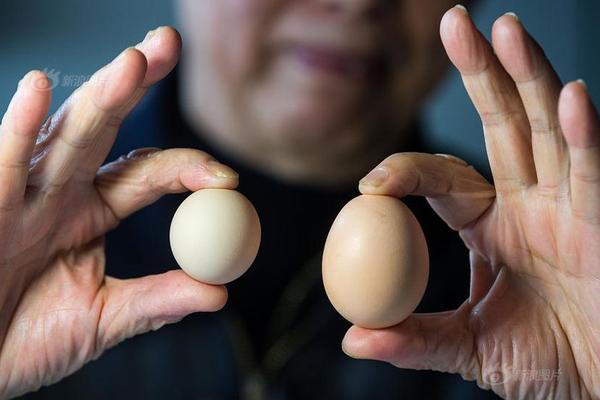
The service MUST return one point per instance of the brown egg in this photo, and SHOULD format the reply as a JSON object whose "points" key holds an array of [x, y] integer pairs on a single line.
{"points": [[375, 262]]}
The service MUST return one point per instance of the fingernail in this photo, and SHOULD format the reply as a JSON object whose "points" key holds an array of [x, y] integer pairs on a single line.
{"points": [[25, 78], [452, 158], [582, 83], [101, 76], [346, 352], [143, 153], [118, 59], [147, 39], [221, 171], [149, 35], [462, 8], [21, 82], [513, 15], [42, 83], [376, 177]]}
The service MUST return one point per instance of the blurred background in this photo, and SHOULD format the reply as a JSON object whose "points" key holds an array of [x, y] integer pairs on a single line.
{"points": [[70, 39]]}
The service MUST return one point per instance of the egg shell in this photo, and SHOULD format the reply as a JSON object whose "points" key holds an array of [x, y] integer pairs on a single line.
{"points": [[215, 235], [375, 262]]}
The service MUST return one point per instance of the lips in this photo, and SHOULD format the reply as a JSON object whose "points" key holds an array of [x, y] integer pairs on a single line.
{"points": [[336, 62]]}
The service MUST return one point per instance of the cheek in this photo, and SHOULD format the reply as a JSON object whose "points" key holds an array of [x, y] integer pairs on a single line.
{"points": [[426, 15], [235, 35], [425, 58]]}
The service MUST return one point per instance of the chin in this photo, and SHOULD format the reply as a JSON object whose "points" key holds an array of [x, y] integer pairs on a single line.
{"points": [[308, 122], [311, 134], [314, 142]]}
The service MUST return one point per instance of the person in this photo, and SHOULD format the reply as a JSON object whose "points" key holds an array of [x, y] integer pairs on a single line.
{"points": [[302, 99]]}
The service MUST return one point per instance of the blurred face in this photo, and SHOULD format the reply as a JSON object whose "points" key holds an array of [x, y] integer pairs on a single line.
{"points": [[308, 88]]}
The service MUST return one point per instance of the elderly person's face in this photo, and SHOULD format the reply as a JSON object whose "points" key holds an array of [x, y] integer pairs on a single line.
{"points": [[303, 85]]}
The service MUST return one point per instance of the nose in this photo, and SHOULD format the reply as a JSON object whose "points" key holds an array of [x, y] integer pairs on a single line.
{"points": [[356, 8]]}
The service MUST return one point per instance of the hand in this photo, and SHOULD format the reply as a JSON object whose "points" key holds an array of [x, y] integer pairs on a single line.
{"points": [[57, 308], [531, 326]]}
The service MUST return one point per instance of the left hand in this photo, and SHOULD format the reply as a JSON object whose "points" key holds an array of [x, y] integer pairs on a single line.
{"points": [[531, 326], [58, 308]]}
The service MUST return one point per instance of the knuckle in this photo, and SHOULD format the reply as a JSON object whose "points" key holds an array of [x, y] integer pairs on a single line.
{"points": [[587, 178], [591, 218], [81, 142], [542, 125], [9, 203], [510, 184], [114, 121], [498, 118], [52, 188], [14, 164], [186, 155], [555, 191], [401, 161], [142, 153]]}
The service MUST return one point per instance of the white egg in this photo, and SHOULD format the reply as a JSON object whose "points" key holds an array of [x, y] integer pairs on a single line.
{"points": [[215, 235]]}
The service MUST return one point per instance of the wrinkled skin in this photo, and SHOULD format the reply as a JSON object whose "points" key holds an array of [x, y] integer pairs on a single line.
{"points": [[533, 236], [57, 308], [531, 326]]}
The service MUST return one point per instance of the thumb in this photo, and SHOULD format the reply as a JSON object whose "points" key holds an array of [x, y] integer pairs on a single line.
{"points": [[136, 306], [440, 342], [455, 190]]}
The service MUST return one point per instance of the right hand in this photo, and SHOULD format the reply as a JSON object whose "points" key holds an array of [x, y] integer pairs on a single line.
{"points": [[58, 310], [531, 325]]}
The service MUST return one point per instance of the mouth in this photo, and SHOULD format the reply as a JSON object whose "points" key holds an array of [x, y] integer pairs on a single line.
{"points": [[337, 62]]}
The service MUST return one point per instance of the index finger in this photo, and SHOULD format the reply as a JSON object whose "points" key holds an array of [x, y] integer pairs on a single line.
{"points": [[495, 96], [162, 48]]}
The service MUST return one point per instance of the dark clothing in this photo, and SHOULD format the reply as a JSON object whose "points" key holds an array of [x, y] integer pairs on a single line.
{"points": [[278, 337]]}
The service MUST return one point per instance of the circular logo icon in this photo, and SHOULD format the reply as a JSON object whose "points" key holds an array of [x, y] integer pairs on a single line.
{"points": [[50, 83], [495, 377]]}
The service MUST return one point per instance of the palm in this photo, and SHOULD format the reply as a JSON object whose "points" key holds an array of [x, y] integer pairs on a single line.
{"points": [[543, 288], [58, 310], [530, 327], [55, 326]]}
